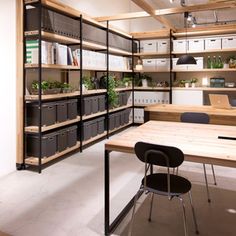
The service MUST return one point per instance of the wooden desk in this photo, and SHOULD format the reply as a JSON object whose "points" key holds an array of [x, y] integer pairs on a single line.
{"points": [[169, 112], [199, 143]]}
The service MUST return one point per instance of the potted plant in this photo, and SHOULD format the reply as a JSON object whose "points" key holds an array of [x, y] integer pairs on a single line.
{"points": [[127, 81], [146, 79], [193, 82], [112, 94], [87, 83], [182, 83], [66, 88], [48, 87], [231, 60]]}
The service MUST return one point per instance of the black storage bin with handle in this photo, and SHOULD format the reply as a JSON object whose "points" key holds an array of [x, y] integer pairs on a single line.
{"points": [[94, 128], [101, 125], [87, 106], [71, 136], [122, 118], [94, 104], [62, 111], [49, 145], [87, 130], [112, 122], [101, 103], [62, 140], [127, 113], [120, 99], [117, 120], [48, 114], [124, 98], [72, 109]]}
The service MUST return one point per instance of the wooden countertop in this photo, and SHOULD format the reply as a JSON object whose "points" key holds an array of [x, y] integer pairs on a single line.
{"points": [[170, 108], [199, 142]]}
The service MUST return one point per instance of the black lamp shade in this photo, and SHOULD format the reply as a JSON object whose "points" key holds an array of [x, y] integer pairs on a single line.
{"points": [[186, 60]]}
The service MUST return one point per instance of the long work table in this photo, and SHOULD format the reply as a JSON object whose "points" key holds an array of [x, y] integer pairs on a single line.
{"points": [[170, 112], [199, 143]]}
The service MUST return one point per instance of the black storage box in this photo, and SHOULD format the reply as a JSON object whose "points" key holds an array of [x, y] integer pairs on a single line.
{"points": [[112, 122], [62, 140], [95, 108], [122, 118], [127, 113], [49, 145], [117, 120], [120, 99], [62, 111], [71, 136], [94, 128], [72, 107], [87, 130], [87, 106], [48, 114], [100, 125], [102, 103], [124, 98]]}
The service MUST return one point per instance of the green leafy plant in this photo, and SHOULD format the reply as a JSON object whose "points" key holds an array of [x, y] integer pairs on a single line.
{"points": [[112, 94], [127, 80], [88, 82], [194, 80], [44, 85], [65, 86]]}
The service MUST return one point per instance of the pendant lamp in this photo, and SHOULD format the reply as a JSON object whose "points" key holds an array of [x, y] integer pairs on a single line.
{"points": [[139, 65], [186, 59]]}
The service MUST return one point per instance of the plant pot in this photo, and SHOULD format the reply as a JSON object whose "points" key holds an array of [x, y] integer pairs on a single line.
{"points": [[46, 91], [67, 90], [144, 83], [186, 85], [193, 85]]}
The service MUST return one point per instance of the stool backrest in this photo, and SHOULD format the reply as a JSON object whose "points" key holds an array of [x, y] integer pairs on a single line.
{"points": [[195, 117]]}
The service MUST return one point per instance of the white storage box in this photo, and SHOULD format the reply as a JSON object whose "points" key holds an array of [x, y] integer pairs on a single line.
{"points": [[149, 46], [229, 42], [198, 66], [196, 45], [139, 115], [178, 67], [163, 46], [163, 64], [149, 64], [213, 44], [180, 45]]}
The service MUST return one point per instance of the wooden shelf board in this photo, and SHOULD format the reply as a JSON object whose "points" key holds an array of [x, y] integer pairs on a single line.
{"points": [[204, 89], [119, 51], [144, 54], [94, 115], [87, 44], [123, 89], [53, 66], [121, 127], [208, 70], [94, 91], [142, 105], [35, 129], [55, 37], [51, 96], [153, 71], [94, 68], [119, 108], [207, 51], [94, 138], [152, 89], [35, 160], [119, 70]]}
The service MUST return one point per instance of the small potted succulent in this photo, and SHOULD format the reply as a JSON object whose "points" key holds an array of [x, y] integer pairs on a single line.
{"points": [[193, 82], [231, 61], [88, 83], [127, 81], [66, 88]]}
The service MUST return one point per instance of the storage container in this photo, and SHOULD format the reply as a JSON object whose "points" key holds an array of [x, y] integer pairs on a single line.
{"points": [[120, 98], [48, 142], [62, 111], [111, 121], [102, 103], [196, 45], [95, 108], [94, 127], [87, 131], [180, 45], [62, 137], [87, 106], [117, 120], [199, 64], [100, 125], [127, 113], [149, 64], [72, 107], [149, 45], [212, 43], [163, 64], [163, 46], [125, 98], [48, 114], [71, 136], [122, 118], [229, 42]]}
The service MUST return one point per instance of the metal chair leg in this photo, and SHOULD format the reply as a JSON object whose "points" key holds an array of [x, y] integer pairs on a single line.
{"points": [[132, 218], [208, 194], [193, 211], [177, 170], [213, 172], [184, 216], [150, 212]]}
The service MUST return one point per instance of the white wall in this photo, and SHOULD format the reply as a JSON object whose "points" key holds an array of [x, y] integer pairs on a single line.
{"points": [[8, 87]]}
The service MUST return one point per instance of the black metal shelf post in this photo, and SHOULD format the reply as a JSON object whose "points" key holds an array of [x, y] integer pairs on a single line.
{"points": [[107, 81]]}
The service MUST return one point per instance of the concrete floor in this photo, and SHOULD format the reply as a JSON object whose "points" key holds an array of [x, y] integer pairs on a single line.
{"points": [[68, 197]]}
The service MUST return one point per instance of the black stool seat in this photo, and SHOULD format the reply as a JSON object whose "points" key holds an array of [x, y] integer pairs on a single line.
{"points": [[158, 183]]}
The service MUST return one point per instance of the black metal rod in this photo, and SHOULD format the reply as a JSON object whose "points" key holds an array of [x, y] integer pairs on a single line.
{"points": [[171, 66], [107, 193], [40, 84], [107, 79], [132, 92], [81, 84]]}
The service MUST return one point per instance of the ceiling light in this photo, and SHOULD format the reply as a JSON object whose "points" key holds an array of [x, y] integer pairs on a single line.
{"points": [[139, 65], [189, 18], [193, 25]]}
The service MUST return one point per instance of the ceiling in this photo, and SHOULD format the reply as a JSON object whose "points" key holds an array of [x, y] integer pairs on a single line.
{"points": [[201, 17]]}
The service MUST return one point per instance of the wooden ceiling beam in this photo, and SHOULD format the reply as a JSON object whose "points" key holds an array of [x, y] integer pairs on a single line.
{"points": [[150, 10], [170, 11], [163, 33]]}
